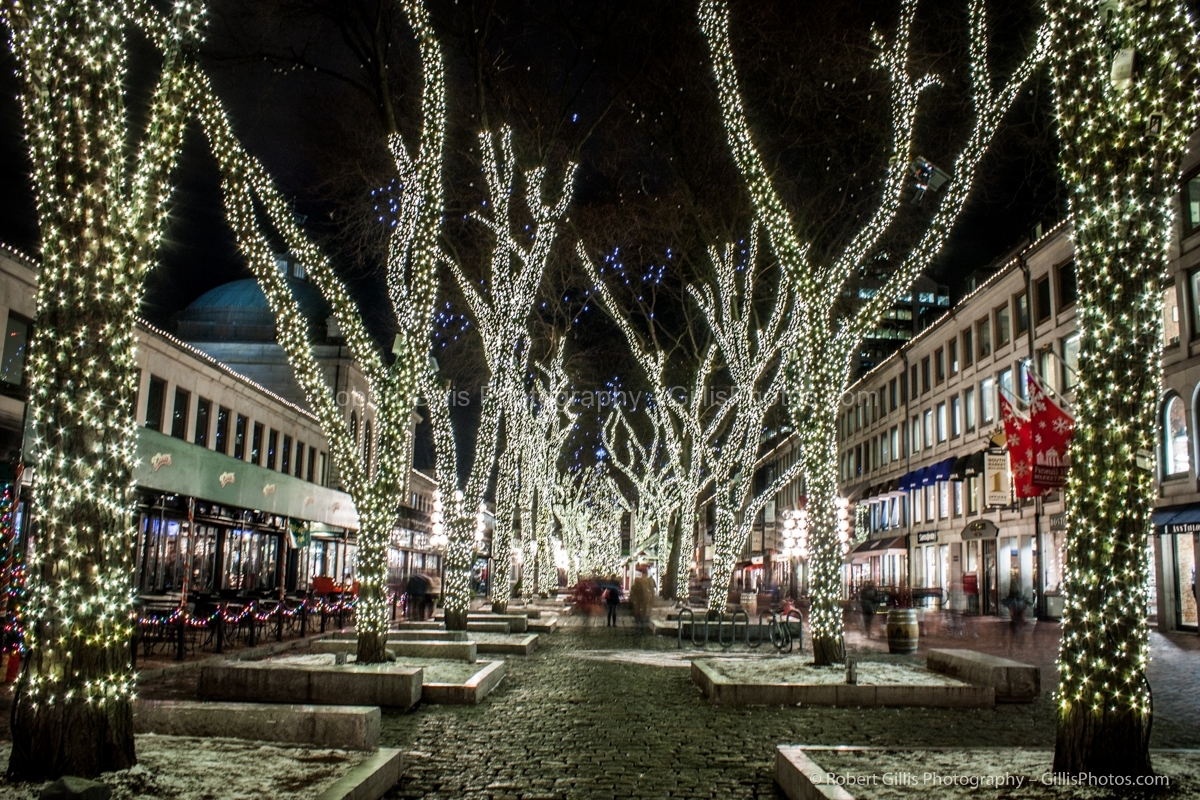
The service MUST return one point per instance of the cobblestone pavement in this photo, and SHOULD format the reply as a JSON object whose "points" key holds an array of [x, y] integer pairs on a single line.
{"points": [[606, 714]]}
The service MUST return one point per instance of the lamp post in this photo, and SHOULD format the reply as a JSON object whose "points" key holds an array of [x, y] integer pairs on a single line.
{"points": [[437, 535], [795, 543]]}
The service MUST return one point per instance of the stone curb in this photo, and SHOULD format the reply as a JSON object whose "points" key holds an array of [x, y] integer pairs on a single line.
{"points": [[522, 646], [370, 780], [801, 778], [348, 727], [254, 652], [477, 687], [722, 692]]}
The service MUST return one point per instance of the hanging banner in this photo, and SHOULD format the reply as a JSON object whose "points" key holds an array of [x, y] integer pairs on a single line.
{"points": [[1052, 430], [997, 482], [1018, 440]]}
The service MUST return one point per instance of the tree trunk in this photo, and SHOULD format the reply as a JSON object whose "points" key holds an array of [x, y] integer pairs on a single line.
{"points": [[371, 609], [1104, 699], [1121, 170], [72, 737], [826, 548], [457, 562], [671, 578], [71, 711], [724, 557]]}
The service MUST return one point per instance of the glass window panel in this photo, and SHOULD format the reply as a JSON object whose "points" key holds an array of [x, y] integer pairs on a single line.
{"points": [[16, 348], [987, 400], [156, 397], [1066, 285], [1070, 358], [1191, 205], [1178, 456], [179, 414], [203, 416], [1003, 326], [1170, 316], [983, 329], [969, 406]]}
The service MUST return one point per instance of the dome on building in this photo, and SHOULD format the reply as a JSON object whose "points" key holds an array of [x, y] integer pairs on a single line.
{"points": [[238, 311]]}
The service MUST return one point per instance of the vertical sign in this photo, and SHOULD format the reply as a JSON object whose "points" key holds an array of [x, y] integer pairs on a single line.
{"points": [[997, 481]]}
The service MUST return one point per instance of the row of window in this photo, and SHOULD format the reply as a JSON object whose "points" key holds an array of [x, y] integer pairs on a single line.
{"points": [[957, 414], [229, 433], [939, 501], [978, 341]]}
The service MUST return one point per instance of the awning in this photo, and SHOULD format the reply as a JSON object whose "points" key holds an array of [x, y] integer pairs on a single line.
{"points": [[877, 547], [912, 480], [927, 475], [1177, 519], [967, 466], [856, 492], [941, 470]]}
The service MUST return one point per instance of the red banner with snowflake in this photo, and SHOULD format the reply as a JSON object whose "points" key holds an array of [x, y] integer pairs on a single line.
{"points": [[1052, 430], [1020, 449]]}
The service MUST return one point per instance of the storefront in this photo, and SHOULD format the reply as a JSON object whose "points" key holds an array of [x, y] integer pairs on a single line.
{"points": [[882, 563], [1174, 546]]}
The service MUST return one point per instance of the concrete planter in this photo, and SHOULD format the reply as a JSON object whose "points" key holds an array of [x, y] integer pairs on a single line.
{"points": [[339, 685]]}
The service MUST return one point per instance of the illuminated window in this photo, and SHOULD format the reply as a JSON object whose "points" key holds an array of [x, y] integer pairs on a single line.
{"points": [[1177, 458]]}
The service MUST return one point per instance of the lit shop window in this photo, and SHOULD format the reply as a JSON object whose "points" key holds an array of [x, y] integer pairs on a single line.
{"points": [[1176, 442]]}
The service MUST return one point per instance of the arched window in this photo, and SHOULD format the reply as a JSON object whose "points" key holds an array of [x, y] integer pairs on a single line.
{"points": [[1177, 448], [367, 441]]}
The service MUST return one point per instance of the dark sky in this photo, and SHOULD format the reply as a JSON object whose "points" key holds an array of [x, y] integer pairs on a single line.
{"points": [[286, 120]]}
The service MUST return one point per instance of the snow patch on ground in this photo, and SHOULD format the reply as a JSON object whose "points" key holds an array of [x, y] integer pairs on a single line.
{"points": [[191, 768], [436, 670], [796, 670]]}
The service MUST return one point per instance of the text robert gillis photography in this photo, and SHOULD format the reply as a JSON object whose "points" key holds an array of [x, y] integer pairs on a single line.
{"points": [[634, 401]]}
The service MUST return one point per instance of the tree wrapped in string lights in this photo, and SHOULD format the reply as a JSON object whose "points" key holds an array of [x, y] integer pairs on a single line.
{"points": [[378, 484], [820, 363], [648, 470], [501, 304], [753, 343], [101, 194], [1127, 77], [550, 422], [684, 422]]}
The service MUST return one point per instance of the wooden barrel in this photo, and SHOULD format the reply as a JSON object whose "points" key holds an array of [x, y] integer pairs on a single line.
{"points": [[902, 630]]}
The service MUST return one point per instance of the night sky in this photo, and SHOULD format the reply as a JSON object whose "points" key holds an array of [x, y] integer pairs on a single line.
{"points": [[622, 87]]}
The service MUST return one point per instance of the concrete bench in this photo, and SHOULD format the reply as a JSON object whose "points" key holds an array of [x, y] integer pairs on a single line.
{"points": [[1013, 681], [383, 685], [348, 727], [544, 625], [456, 651], [516, 622], [516, 646]]}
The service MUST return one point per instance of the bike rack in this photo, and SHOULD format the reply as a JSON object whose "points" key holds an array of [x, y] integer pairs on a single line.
{"points": [[732, 628], [691, 622]]}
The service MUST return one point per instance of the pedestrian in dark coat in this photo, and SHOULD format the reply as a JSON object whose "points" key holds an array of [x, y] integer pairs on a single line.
{"points": [[612, 598]]}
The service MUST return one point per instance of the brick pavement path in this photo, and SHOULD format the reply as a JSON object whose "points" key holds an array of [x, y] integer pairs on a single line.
{"points": [[578, 720]]}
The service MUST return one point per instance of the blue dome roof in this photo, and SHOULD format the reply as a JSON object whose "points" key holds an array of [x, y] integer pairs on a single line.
{"points": [[246, 294], [238, 311]]}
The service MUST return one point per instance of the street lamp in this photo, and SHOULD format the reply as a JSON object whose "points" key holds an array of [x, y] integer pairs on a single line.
{"points": [[795, 541]]}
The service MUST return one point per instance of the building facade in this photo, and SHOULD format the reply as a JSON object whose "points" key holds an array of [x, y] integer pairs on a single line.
{"points": [[236, 490], [1177, 507], [914, 434]]}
